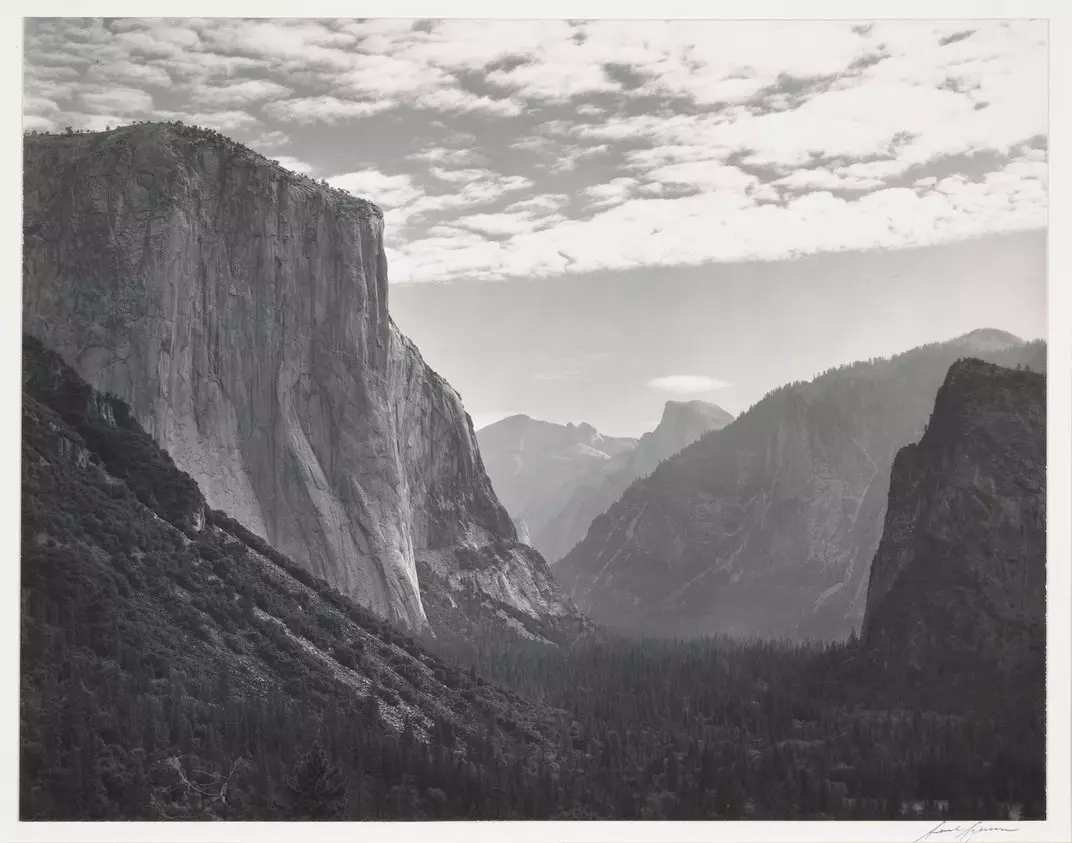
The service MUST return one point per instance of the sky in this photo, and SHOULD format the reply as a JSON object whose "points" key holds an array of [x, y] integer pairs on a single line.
{"points": [[585, 219]]}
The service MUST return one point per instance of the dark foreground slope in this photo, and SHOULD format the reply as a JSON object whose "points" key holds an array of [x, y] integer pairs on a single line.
{"points": [[959, 580], [174, 665], [768, 526], [938, 712]]}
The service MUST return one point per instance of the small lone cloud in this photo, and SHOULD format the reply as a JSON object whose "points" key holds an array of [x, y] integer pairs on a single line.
{"points": [[687, 384]]}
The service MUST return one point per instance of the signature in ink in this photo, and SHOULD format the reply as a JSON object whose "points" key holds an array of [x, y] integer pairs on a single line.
{"points": [[961, 832]]}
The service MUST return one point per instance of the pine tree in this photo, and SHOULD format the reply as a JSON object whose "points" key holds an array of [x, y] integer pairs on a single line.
{"points": [[315, 787]]}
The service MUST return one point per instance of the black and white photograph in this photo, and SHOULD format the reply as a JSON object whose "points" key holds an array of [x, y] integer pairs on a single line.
{"points": [[621, 427]]}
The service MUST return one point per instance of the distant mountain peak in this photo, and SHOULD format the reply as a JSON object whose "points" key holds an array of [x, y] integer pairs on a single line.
{"points": [[989, 339], [694, 409], [769, 526]]}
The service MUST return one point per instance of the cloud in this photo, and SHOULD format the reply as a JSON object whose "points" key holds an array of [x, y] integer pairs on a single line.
{"points": [[612, 193], [325, 109], [39, 105], [687, 384], [543, 202], [920, 99], [38, 123], [387, 75], [569, 157], [553, 81], [241, 93], [130, 73], [727, 226], [485, 190], [507, 223], [295, 165], [457, 175], [536, 148], [457, 100], [117, 100], [269, 140], [222, 121], [703, 175], [820, 178], [387, 191], [443, 155], [74, 119]]}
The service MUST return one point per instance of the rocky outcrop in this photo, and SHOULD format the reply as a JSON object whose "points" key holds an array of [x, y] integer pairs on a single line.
{"points": [[683, 422], [961, 568], [768, 526], [558, 478], [522, 531], [241, 311]]}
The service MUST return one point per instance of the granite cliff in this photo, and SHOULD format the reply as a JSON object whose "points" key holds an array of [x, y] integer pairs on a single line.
{"points": [[960, 573], [768, 526], [241, 311]]}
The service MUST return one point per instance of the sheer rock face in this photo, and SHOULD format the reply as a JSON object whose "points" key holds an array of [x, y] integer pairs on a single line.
{"points": [[961, 567], [683, 422], [768, 527], [241, 311]]}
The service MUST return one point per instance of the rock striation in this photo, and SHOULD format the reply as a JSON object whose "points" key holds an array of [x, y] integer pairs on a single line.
{"points": [[768, 526], [241, 311], [960, 572]]}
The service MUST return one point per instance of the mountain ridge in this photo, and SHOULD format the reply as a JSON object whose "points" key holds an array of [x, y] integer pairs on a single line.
{"points": [[962, 558], [574, 472], [769, 525], [163, 643]]}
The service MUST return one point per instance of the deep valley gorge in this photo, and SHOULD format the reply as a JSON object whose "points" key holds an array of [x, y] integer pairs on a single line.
{"points": [[271, 570]]}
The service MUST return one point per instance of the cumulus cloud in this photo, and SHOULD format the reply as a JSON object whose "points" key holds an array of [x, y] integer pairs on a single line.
{"points": [[611, 193], [241, 93], [532, 148], [117, 100], [729, 226], [296, 164], [820, 178], [444, 155], [325, 109], [223, 121], [387, 191], [687, 384], [444, 174], [569, 157], [457, 100], [510, 223], [543, 202]]}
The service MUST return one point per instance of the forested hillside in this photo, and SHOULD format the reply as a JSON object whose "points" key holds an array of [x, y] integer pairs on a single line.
{"points": [[175, 666]]}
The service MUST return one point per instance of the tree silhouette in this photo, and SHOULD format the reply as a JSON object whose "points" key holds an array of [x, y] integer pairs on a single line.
{"points": [[315, 787]]}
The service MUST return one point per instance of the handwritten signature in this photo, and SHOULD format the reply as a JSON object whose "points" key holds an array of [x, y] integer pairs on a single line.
{"points": [[961, 832]]}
